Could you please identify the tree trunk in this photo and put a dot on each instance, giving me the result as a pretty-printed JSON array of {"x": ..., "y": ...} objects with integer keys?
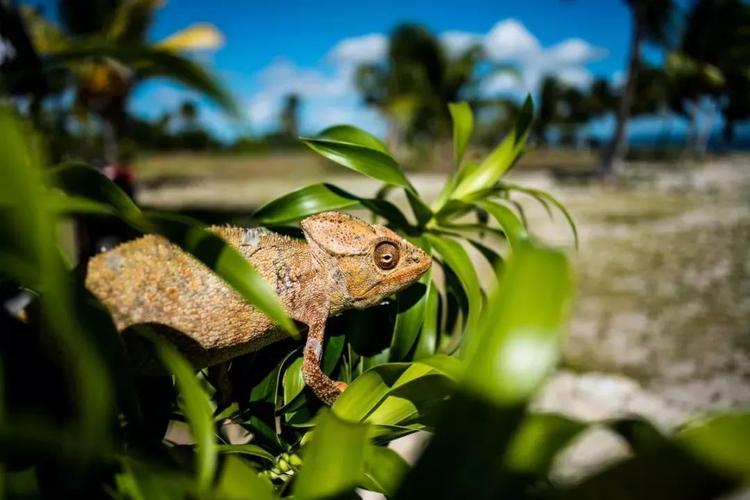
[
  {"x": 614, "y": 148},
  {"x": 111, "y": 146}
]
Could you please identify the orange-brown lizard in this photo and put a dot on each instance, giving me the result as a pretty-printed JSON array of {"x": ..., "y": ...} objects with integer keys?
[{"x": 345, "y": 263}]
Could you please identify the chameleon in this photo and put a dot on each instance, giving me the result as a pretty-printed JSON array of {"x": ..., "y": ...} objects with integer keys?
[{"x": 342, "y": 263}]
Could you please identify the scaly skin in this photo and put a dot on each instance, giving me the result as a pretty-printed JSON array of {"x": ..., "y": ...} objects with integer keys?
[{"x": 150, "y": 280}]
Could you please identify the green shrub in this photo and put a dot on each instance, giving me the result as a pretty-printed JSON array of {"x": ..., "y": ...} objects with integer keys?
[{"x": 453, "y": 359}]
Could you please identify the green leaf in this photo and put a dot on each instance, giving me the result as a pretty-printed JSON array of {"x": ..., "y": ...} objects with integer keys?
[
  {"x": 463, "y": 125},
  {"x": 519, "y": 343},
  {"x": 504, "y": 363},
  {"x": 367, "y": 391},
  {"x": 369, "y": 162},
  {"x": 28, "y": 228},
  {"x": 196, "y": 405},
  {"x": 538, "y": 441},
  {"x": 458, "y": 260},
  {"x": 367, "y": 394},
  {"x": 511, "y": 225},
  {"x": 428, "y": 337},
  {"x": 500, "y": 159},
  {"x": 238, "y": 480},
  {"x": 543, "y": 197},
  {"x": 304, "y": 202},
  {"x": 293, "y": 383},
  {"x": 245, "y": 449},
  {"x": 353, "y": 135},
  {"x": 333, "y": 459},
  {"x": 384, "y": 469},
  {"x": 722, "y": 441},
  {"x": 409, "y": 318},
  {"x": 80, "y": 181}
]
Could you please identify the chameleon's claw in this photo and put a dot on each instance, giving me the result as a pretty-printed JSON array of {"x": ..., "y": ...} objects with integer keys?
[{"x": 341, "y": 386}]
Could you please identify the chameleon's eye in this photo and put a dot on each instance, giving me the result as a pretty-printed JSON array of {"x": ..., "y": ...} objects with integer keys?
[{"x": 386, "y": 255}]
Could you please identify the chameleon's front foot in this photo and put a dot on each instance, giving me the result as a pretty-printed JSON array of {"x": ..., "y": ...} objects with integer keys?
[{"x": 326, "y": 389}]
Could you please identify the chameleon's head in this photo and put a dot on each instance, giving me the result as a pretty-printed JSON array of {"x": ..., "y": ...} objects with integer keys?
[{"x": 365, "y": 262}]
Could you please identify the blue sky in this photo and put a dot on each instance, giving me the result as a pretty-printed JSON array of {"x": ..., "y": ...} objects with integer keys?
[{"x": 311, "y": 47}]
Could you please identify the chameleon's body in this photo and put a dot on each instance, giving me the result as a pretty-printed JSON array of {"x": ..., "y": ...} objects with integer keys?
[{"x": 341, "y": 265}]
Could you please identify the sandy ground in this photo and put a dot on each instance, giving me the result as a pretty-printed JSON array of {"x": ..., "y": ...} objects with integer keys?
[{"x": 661, "y": 321}]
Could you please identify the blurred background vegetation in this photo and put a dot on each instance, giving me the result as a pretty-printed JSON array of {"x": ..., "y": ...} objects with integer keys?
[{"x": 658, "y": 332}]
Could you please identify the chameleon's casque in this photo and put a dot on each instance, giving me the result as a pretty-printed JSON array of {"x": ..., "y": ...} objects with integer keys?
[{"x": 344, "y": 263}]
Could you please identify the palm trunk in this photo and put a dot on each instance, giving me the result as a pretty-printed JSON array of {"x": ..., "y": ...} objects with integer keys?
[{"x": 616, "y": 145}]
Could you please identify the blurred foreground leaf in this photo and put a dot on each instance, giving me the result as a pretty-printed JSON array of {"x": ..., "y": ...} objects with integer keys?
[{"x": 333, "y": 460}]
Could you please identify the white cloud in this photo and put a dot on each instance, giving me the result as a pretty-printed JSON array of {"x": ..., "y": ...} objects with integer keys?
[
  {"x": 574, "y": 51},
  {"x": 509, "y": 39},
  {"x": 458, "y": 42},
  {"x": 329, "y": 96},
  {"x": 510, "y": 42},
  {"x": 366, "y": 49}
]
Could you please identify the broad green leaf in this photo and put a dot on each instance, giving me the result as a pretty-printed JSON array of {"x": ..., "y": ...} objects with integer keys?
[
  {"x": 367, "y": 161},
  {"x": 458, "y": 260},
  {"x": 409, "y": 318},
  {"x": 384, "y": 469},
  {"x": 422, "y": 212},
  {"x": 238, "y": 480},
  {"x": 722, "y": 441},
  {"x": 413, "y": 398},
  {"x": 333, "y": 459},
  {"x": 196, "y": 405},
  {"x": 504, "y": 363},
  {"x": 80, "y": 181},
  {"x": 367, "y": 391},
  {"x": 500, "y": 159},
  {"x": 62, "y": 204},
  {"x": 511, "y": 225},
  {"x": 538, "y": 441},
  {"x": 492, "y": 257},
  {"x": 139, "y": 481},
  {"x": 463, "y": 125},
  {"x": 364, "y": 397},
  {"x": 28, "y": 231},
  {"x": 428, "y": 336},
  {"x": 303, "y": 202},
  {"x": 245, "y": 449},
  {"x": 519, "y": 342},
  {"x": 293, "y": 383},
  {"x": 353, "y": 135}
]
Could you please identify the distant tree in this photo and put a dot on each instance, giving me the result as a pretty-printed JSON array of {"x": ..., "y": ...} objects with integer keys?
[
  {"x": 716, "y": 38},
  {"x": 416, "y": 82},
  {"x": 650, "y": 20},
  {"x": 104, "y": 47},
  {"x": 188, "y": 115},
  {"x": 550, "y": 94},
  {"x": 290, "y": 117}
]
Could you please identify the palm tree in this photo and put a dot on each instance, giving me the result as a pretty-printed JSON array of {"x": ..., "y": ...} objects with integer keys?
[
  {"x": 102, "y": 45},
  {"x": 716, "y": 39},
  {"x": 650, "y": 21},
  {"x": 550, "y": 94},
  {"x": 290, "y": 117},
  {"x": 188, "y": 115},
  {"x": 413, "y": 86}
]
